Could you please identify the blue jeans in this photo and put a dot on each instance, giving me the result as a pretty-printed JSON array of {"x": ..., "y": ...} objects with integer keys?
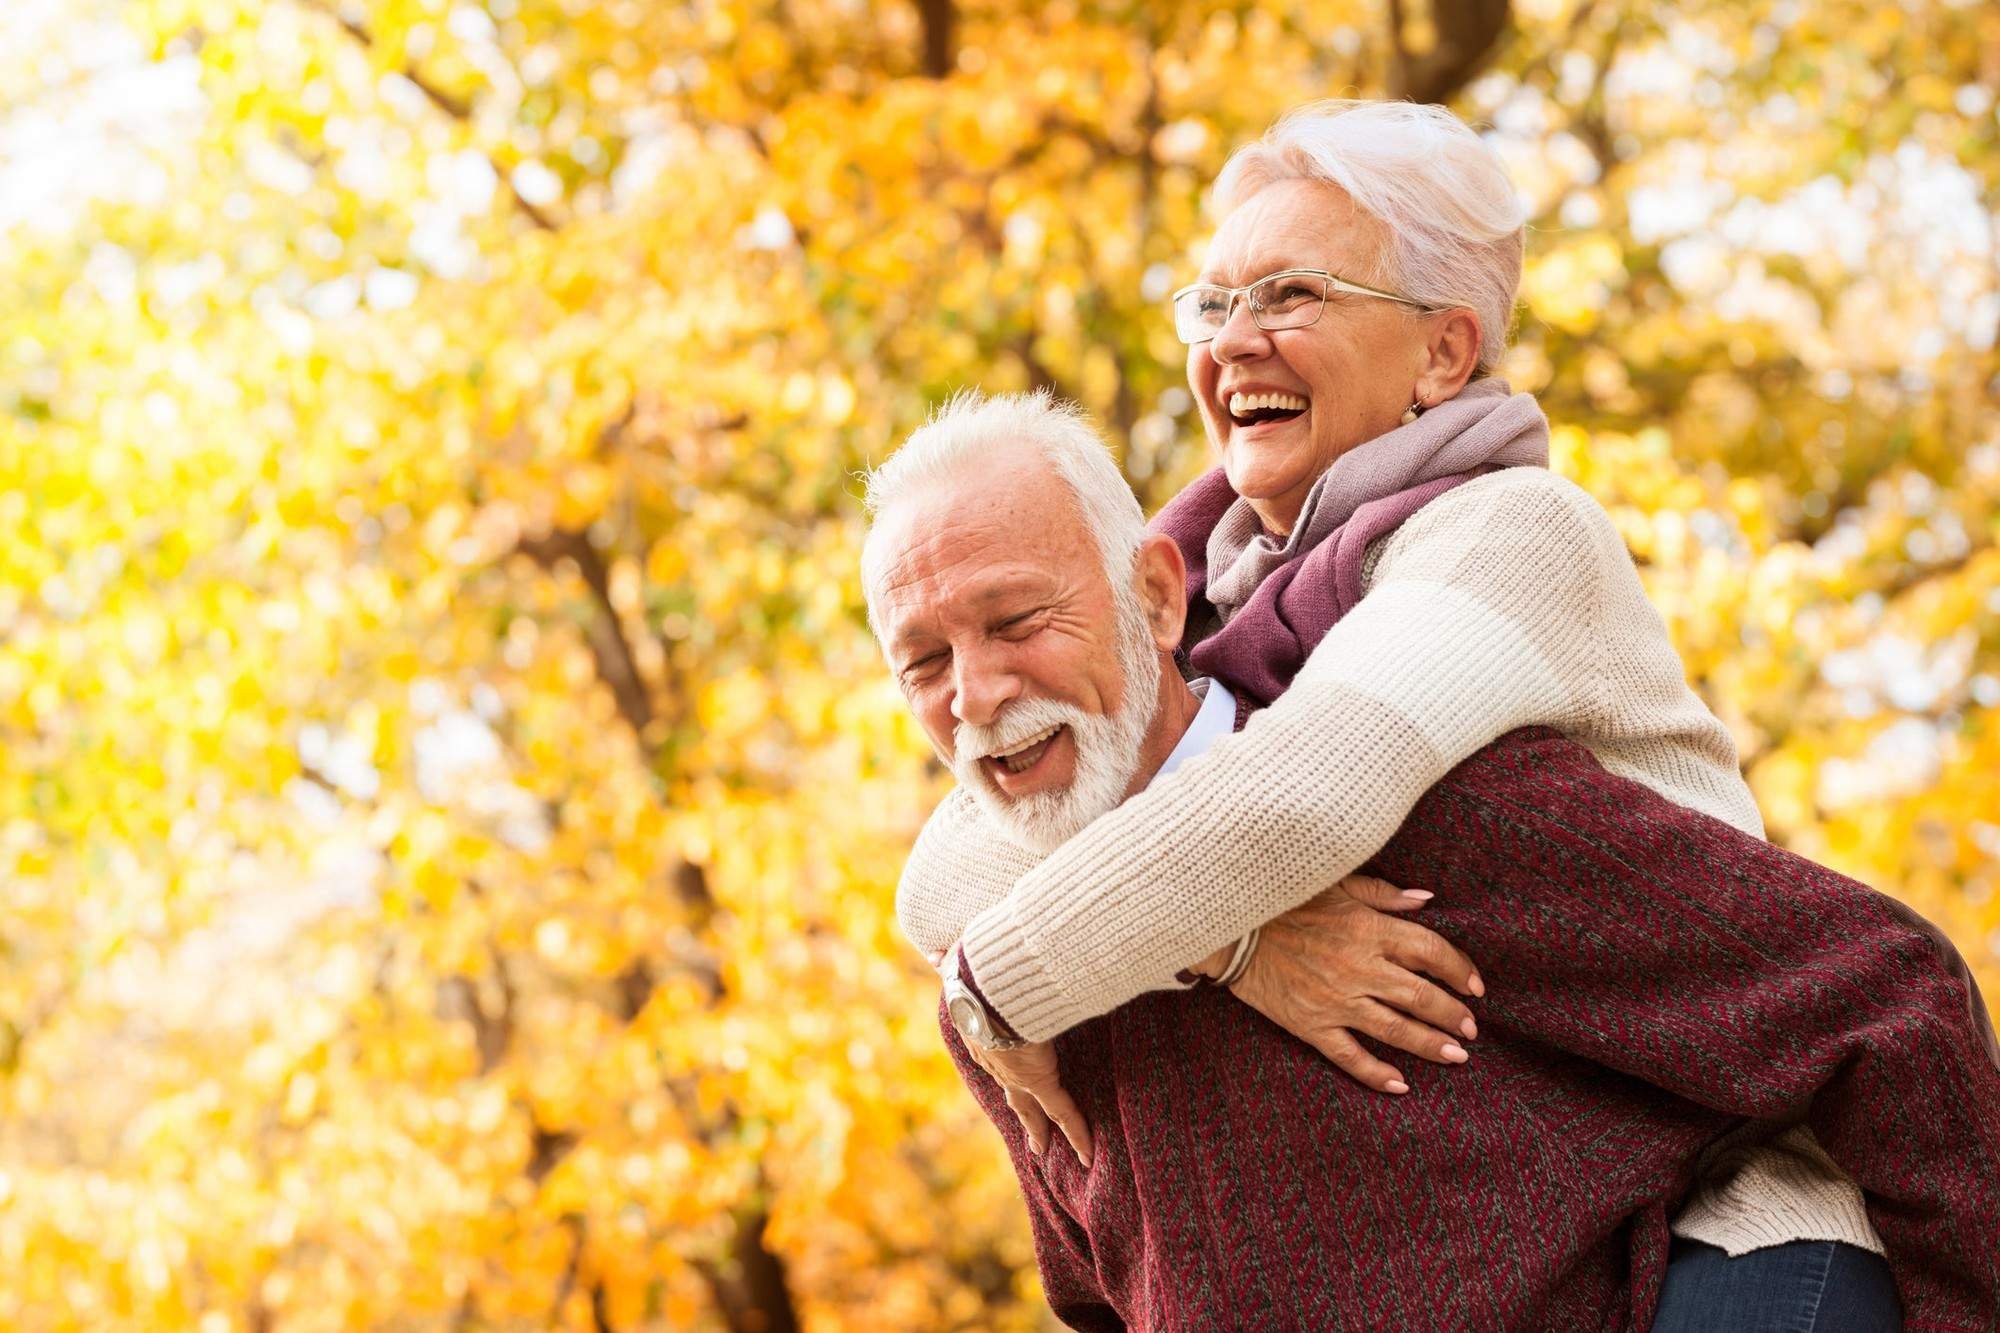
[{"x": 1804, "y": 1286}]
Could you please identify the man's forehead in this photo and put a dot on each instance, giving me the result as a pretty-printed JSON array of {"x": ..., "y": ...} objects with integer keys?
[
  {"x": 1022, "y": 502},
  {"x": 965, "y": 545}
]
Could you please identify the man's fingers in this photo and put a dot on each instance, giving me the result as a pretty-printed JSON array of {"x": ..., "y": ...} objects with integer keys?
[
  {"x": 1034, "y": 1121},
  {"x": 1422, "y": 950},
  {"x": 1402, "y": 989},
  {"x": 1035, "y": 1111},
  {"x": 1383, "y": 896},
  {"x": 1347, "y": 1054},
  {"x": 1059, "y": 1107},
  {"x": 1407, "y": 1034}
]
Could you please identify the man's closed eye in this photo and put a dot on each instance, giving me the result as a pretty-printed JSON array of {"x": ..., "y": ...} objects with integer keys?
[
  {"x": 1018, "y": 627},
  {"x": 925, "y": 667}
]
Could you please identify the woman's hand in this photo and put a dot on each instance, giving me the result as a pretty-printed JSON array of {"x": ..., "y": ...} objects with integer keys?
[
  {"x": 1028, "y": 1075},
  {"x": 1337, "y": 965}
]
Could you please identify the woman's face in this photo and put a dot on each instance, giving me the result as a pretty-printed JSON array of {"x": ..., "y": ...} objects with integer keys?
[{"x": 1353, "y": 373}]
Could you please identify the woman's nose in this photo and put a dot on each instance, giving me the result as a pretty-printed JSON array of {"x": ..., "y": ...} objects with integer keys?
[{"x": 1239, "y": 338}]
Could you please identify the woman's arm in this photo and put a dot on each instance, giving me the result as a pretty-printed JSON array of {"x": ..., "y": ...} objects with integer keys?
[
  {"x": 1508, "y": 602},
  {"x": 961, "y": 866}
]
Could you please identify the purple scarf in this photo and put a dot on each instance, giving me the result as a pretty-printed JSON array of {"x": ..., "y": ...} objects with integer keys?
[{"x": 1275, "y": 598}]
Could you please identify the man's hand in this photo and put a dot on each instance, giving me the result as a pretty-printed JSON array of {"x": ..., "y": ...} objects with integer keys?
[
  {"x": 1338, "y": 963},
  {"x": 1027, "y": 1074}
]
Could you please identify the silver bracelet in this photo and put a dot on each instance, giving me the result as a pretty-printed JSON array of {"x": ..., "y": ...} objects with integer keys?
[{"x": 1239, "y": 961}]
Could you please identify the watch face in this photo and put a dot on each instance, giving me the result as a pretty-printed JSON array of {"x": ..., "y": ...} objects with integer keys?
[{"x": 964, "y": 1015}]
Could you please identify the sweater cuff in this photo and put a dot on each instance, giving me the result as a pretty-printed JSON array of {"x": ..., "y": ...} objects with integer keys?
[{"x": 1017, "y": 988}]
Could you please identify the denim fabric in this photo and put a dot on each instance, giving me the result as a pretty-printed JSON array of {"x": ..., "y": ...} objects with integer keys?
[{"x": 1805, "y": 1286}]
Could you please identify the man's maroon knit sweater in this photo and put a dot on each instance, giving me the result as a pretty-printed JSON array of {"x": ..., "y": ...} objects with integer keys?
[{"x": 1655, "y": 978}]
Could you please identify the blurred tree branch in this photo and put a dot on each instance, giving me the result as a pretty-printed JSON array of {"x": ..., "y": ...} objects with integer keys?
[
  {"x": 451, "y": 104},
  {"x": 1467, "y": 34}
]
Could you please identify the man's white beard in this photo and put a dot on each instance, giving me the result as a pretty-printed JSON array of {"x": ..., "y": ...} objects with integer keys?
[{"x": 1107, "y": 747}]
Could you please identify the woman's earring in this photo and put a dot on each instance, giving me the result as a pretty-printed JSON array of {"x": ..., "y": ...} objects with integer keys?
[{"x": 1413, "y": 411}]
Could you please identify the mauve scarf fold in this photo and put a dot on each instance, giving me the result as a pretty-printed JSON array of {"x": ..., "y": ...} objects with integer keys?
[{"x": 1273, "y": 599}]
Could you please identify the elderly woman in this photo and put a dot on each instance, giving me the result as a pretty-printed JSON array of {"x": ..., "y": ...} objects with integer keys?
[{"x": 1341, "y": 346}]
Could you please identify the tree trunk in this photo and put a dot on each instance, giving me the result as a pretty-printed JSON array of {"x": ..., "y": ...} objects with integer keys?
[
  {"x": 1468, "y": 34},
  {"x": 940, "y": 36},
  {"x": 750, "y": 1286}
]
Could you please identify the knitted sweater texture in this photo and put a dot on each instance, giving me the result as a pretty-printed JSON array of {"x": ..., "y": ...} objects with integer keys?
[
  {"x": 1658, "y": 978},
  {"x": 1507, "y": 601}
]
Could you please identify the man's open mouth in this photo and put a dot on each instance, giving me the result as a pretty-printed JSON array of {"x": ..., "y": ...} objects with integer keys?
[
  {"x": 1028, "y": 752},
  {"x": 1254, "y": 409}
]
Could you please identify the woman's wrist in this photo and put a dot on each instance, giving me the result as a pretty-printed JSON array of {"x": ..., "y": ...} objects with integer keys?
[
  {"x": 1226, "y": 964},
  {"x": 1213, "y": 965}
]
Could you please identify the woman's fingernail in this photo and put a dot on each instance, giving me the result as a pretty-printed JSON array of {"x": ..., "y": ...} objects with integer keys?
[
  {"x": 1470, "y": 1029},
  {"x": 1478, "y": 987},
  {"x": 1397, "y": 1085},
  {"x": 1455, "y": 1052},
  {"x": 1419, "y": 895}
]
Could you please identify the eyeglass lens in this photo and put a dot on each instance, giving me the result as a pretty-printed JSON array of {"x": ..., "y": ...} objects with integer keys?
[{"x": 1285, "y": 301}]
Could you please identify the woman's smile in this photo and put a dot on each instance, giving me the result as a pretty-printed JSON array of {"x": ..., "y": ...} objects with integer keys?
[{"x": 1257, "y": 409}]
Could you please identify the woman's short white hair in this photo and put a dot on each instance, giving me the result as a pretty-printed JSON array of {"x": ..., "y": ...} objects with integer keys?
[
  {"x": 974, "y": 426},
  {"x": 1452, "y": 223}
]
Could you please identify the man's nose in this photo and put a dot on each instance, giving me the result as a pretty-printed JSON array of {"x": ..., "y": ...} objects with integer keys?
[
  {"x": 1239, "y": 338},
  {"x": 983, "y": 683}
]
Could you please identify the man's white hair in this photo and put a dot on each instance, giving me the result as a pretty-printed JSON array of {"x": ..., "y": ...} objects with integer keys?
[
  {"x": 975, "y": 426},
  {"x": 1452, "y": 224}
]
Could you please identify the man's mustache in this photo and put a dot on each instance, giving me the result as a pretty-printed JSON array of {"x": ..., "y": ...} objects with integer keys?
[{"x": 1021, "y": 720}]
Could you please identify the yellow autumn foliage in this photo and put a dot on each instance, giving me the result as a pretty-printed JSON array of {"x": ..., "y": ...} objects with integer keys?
[{"x": 450, "y": 805}]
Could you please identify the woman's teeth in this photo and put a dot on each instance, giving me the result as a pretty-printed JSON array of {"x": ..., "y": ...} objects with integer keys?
[
  {"x": 1018, "y": 758},
  {"x": 1243, "y": 404}
]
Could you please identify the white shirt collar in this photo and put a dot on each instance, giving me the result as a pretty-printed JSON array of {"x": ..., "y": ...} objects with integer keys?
[{"x": 1215, "y": 719}]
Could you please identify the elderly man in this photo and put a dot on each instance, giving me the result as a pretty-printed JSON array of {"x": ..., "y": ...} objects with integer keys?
[{"x": 1668, "y": 980}]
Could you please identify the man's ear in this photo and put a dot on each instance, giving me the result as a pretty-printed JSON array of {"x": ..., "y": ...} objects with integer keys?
[
  {"x": 1159, "y": 576},
  {"x": 1451, "y": 354}
]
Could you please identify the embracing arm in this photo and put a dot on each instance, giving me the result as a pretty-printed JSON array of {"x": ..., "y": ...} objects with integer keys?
[
  {"x": 1493, "y": 608},
  {"x": 961, "y": 866}
]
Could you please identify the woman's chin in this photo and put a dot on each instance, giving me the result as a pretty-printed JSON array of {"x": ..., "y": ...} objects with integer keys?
[
  {"x": 1268, "y": 455},
  {"x": 1275, "y": 495},
  {"x": 1256, "y": 480}
]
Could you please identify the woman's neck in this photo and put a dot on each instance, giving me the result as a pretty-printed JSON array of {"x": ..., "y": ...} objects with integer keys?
[{"x": 1279, "y": 516}]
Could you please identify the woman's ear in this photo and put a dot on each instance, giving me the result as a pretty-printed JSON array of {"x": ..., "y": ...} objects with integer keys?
[
  {"x": 1159, "y": 576},
  {"x": 1451, "y": 354}
]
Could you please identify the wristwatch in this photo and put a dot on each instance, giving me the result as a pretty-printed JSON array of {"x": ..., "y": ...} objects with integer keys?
[{"x": 968, "y": 1012}]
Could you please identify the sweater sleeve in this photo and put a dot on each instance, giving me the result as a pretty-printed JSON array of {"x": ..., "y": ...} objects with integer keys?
[
  {"x": 960, "y": 866},
  {"x": 1493, "y": 608}
]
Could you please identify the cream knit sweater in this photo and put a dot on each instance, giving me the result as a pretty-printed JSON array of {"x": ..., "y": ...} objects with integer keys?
[{"x": 1509, "y": 601}]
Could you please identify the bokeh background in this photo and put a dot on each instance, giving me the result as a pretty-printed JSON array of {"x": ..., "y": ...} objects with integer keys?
[{"x": 449, "y": 803}]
